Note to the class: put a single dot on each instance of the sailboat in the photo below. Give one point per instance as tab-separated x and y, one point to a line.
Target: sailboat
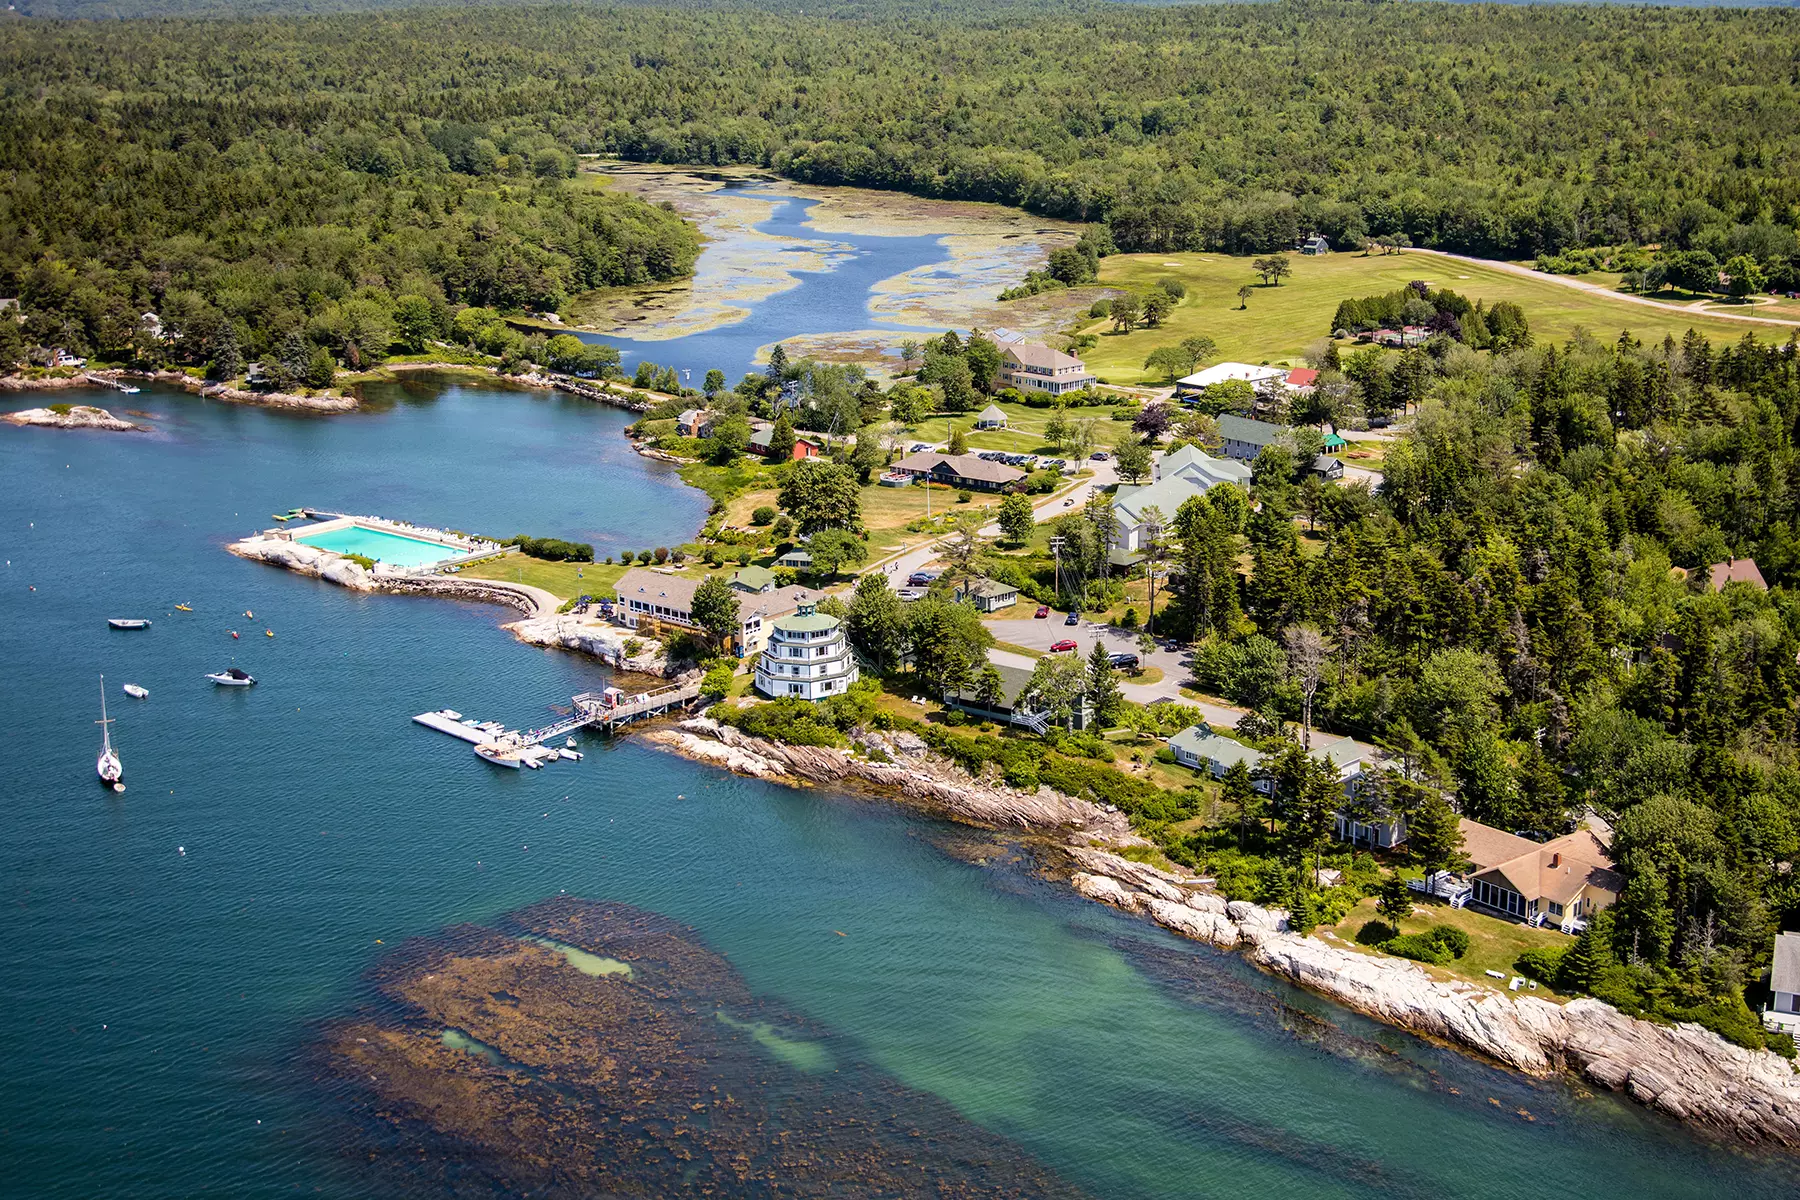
108	766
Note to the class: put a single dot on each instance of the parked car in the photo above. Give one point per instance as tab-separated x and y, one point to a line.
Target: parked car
1074	618
1065	644
1043	611
1126	662
923	578
1099	456
910	593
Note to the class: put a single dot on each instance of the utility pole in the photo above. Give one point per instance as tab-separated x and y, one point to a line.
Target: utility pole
1056	545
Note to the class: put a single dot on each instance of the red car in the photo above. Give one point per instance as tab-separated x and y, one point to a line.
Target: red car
1043	611
1065	644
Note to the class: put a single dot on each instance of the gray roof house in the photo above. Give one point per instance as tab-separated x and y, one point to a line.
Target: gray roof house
1783	1013
988	595
1012	707
1244	438
1204	749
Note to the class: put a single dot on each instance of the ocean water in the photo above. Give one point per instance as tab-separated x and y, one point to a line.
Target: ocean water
169	955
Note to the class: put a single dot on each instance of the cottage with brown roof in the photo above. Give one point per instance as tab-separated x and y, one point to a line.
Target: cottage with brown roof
959	470
1561	882
1735	570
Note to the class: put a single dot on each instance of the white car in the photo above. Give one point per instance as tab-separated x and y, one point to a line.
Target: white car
911	593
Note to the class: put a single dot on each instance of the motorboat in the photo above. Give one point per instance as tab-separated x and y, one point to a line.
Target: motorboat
569	743
232	677
571	755
107	766
500	756
136	692
128	622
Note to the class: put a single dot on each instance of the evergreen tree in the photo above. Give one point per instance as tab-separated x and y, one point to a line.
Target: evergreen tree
1103	685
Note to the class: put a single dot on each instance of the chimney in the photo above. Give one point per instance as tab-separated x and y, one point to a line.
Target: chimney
1555	861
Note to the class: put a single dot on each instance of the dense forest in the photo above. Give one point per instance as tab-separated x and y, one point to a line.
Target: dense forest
259	170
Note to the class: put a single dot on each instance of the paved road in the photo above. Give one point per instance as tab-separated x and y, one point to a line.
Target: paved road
1578	284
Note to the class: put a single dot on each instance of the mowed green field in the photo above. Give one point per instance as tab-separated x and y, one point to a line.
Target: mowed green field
1281	322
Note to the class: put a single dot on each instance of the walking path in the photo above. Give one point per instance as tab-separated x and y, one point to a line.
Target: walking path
1597	289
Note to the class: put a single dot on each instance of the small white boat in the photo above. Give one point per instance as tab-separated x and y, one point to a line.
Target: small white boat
107	766
499	756
232	677
569	743
451	713
128	622
571	755
136	692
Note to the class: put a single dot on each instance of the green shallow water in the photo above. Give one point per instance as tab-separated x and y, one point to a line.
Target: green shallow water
169	955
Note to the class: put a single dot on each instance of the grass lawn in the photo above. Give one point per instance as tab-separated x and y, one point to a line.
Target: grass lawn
1281	322
563	580
1014	648
1493	944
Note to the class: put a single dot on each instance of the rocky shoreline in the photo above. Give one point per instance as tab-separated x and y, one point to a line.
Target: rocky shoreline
79	416
180	379
541	624
1683	1071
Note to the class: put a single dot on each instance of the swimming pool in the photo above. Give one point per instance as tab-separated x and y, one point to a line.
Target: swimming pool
391	548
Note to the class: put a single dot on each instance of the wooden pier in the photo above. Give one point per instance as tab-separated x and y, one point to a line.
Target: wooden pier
612	708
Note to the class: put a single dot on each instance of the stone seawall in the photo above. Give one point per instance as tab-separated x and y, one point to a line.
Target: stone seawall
1684	1071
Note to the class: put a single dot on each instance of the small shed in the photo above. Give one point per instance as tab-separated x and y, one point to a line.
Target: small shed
797	559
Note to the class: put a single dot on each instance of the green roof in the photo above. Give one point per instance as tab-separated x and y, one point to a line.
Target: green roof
811	622
1202	742
754	578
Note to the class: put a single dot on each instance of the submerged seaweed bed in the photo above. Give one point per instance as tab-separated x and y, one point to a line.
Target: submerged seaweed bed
583	1047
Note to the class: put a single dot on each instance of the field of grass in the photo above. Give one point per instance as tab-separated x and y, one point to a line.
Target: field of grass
1493	944
563	580
1279	323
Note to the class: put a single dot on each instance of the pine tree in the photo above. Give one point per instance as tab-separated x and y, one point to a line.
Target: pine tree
1103	685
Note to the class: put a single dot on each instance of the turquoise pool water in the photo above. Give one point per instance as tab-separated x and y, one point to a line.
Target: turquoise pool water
391	548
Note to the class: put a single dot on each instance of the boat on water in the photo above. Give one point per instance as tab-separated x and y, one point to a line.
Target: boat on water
571	755
500	756
185	607
136	692
128	622
569	743
232	677
107	766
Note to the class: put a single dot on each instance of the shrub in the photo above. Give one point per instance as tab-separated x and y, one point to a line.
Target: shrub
743	556
1376	932
1165	755
964	495
1454	941
1174	289
662	554
362	560
62	410
554	549
1129	620
715	557
632	647
1420	947
784	528
1100	308
717	681
1542	963
763	515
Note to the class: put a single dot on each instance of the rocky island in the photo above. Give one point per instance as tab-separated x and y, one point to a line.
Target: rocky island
73	416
